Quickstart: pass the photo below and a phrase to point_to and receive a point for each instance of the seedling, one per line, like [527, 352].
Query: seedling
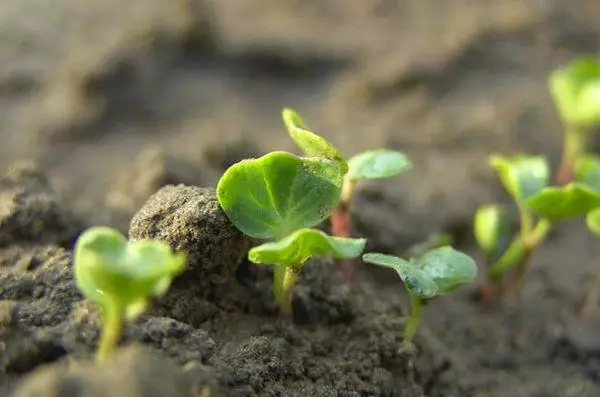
[372, 164]
[576, 93]
[539, 206]
[437, 272]
[281, 196]
[121, 277]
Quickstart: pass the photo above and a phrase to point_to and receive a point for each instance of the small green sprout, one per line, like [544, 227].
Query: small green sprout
[372, 164]
[540, 206]
[121, 277]
[289, 255]
[437, 272]
[281, 196]
[576, 93]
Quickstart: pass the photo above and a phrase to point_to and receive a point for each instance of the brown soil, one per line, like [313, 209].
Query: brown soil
[113, 102]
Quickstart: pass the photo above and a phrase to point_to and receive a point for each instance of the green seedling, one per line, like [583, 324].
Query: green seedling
[280, 197]
[289, 255]
[121, 277]
[576, 93]
[369, 165]
[437, 272]
[539, 206]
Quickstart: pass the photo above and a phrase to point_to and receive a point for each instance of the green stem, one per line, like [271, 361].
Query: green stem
[417, 306]
[283, 283]
[348, 189]
[575, 144]
[113, 320]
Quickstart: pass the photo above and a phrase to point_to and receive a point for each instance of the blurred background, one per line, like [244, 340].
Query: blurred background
[116, 98]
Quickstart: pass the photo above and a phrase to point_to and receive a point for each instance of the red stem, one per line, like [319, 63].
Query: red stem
[341, 227]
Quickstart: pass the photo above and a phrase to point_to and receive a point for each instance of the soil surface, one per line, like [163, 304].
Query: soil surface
[104, 103]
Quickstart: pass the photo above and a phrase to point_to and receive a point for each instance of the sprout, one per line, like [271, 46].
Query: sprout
[281, 196]
[289, 255]
[121, 277]
[540, 206]
[438, 272]
[576, 93]
[373, 164]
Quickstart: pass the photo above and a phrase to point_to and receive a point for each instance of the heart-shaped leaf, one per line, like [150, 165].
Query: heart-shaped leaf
[523, 176]
[312, 144]
[110, 270]
[279, 193]
[437, 272]
[295, 249]
[416, 280]
[377, 164]
[576, 91]
[564, 203]
[593, 221]
[492, 228]
[587, 171]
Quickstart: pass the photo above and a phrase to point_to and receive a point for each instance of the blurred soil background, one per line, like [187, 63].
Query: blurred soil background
[115, 99]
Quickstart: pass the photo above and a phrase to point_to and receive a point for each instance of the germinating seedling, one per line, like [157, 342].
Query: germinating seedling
[576, 93]
[121, 277]
[435, 273]
[539, 206]
[281, 196]
[369, 165]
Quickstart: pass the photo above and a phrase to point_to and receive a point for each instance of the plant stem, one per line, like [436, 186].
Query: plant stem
[283, 284]
[531, 242]
[341, 225]
[417, 306]
[575, 144]
[111, 332]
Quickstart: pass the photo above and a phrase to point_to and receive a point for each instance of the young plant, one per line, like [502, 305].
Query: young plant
[437, 272]
[539, 206]
[281, 196]
[121, 277]
[576, 93]
[372, 164]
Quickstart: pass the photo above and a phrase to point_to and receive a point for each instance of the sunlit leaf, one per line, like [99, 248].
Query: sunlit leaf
[376, 164]
[110, 270]
[564, 203]
[491, 227]
[523, 176]
[593, 221]
[279, 193]
[300, 246]
[312, 144]
[576, 91]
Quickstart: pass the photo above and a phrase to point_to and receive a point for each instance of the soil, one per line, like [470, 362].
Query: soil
[112, 114]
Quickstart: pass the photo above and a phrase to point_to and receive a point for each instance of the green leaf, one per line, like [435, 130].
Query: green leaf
[491, 228]
[593, 221]
[513, 255]
[564, 203]
[110, 270]
[297, 248]
[279, 193]
[416, 280]
[587, 171]
[437, 272]
[576, 91]
[377, 164]
[522, 176]
[312, 144]
[448, 268]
